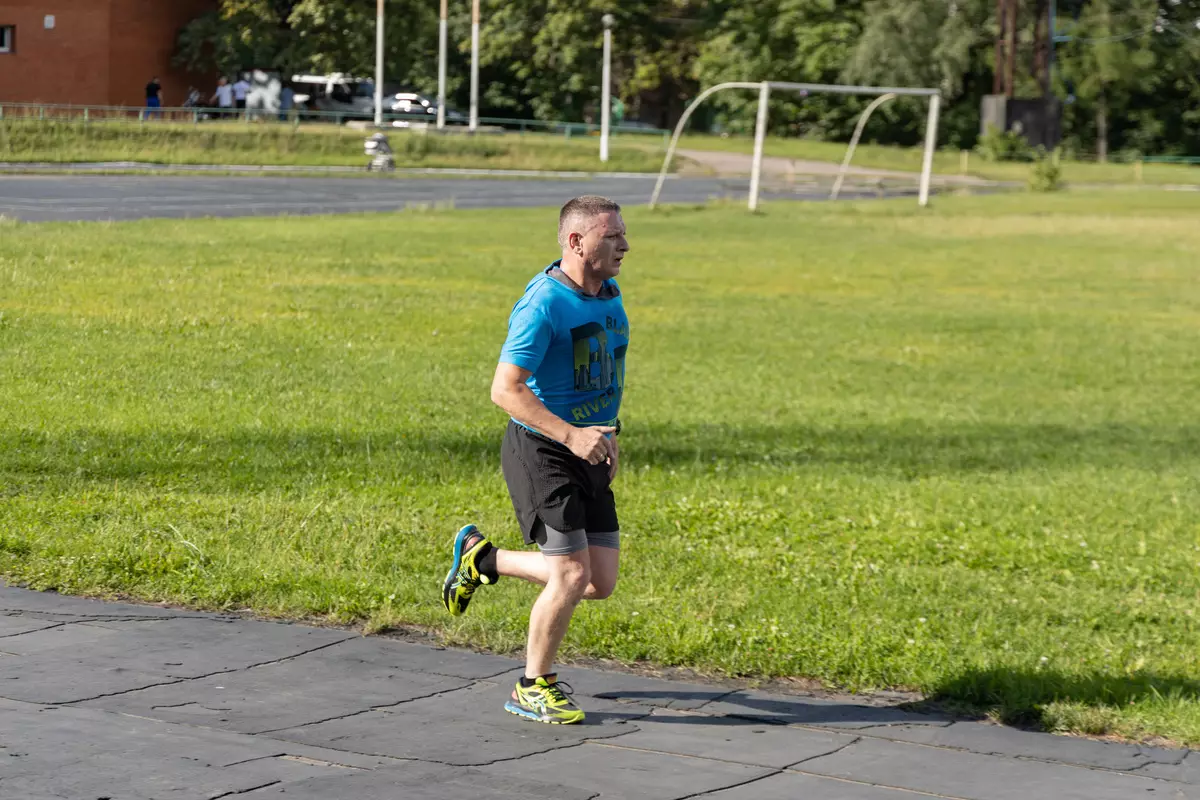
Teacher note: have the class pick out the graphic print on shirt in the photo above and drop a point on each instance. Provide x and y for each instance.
(598, 369)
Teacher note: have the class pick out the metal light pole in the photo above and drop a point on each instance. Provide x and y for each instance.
(441, 115)
(605, 92)
(379, 64)
(474, 64)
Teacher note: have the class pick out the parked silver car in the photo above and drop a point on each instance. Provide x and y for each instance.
(407, 102)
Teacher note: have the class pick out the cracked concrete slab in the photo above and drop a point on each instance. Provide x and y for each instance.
(13, 598)
(475, 729)
(125, 656)
(730, 739)
(424, 781)
(998, 740)
(17, 624)
(190, 648)
(1186, 771)
(348, 678)
(82, 753)
(55, 636)
(442, 660)
(814, 711)
(51, 680)
(790, 786)
(616, 772)
(954, 773)
(381, 718)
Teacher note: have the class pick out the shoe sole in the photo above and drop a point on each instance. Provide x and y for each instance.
(459, 538)
(513, 708)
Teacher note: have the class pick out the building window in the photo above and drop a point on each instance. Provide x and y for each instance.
(6, 38)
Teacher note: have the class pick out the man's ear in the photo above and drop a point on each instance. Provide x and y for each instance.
(575, 240)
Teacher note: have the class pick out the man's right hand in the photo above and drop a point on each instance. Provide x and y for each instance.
(591, 444)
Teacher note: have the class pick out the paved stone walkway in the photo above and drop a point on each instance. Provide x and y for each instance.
(130, 702)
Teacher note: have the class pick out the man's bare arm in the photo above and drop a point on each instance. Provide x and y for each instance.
(518, 400)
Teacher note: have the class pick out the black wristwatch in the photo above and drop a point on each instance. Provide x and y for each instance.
(617, 432)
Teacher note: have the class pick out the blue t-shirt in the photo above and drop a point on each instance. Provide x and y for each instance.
(574, 344)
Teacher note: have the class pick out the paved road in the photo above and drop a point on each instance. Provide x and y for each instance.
(43, 198)
(130, 702)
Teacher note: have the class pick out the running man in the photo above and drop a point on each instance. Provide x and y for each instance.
(560, 377)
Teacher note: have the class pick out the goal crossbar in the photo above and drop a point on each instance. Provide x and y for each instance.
(765, 88)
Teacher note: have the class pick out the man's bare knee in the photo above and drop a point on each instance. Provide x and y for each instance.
(572, 578)
(600, 589)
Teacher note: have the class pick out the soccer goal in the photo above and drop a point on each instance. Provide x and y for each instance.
(760, 127)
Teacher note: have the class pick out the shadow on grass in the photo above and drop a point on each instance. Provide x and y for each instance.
(233, 459)
(1019, 697)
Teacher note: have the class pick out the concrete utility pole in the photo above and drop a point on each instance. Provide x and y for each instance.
(379, 64)
(605, 90)
(474, 64)
(442, 24)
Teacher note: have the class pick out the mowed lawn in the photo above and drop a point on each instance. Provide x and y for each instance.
(954, 451)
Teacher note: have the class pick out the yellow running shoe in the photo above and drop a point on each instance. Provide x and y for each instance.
(546, 701)
(464, 576)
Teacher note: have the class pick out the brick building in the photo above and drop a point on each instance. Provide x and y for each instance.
(97, 52)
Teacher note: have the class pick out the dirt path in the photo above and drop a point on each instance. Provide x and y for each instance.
(723, 164)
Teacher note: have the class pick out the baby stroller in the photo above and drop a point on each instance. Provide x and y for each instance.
(380, 151)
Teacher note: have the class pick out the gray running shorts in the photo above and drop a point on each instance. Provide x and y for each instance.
(559, 543)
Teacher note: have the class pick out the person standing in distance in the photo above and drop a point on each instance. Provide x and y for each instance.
(560, 377)
(241, 88)
(223, 97)
(153, 97)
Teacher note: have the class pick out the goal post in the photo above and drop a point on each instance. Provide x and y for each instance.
(760, 128)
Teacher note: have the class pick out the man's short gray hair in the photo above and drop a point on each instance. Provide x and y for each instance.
(581, 209)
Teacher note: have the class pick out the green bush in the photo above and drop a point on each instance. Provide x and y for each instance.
(1046, 175)
(998, 145)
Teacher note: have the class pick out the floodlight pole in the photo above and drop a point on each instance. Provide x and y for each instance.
(931, 125)
(442, 24)
(760, 132)
(605, 91)
(474, 64)
(379, 64)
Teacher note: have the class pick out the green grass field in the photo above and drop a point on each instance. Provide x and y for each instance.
(946, 162)
(310, 145)
(953, 451)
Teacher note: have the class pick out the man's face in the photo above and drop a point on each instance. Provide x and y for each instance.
(604, 245)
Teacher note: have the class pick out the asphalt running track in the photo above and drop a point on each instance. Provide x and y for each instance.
(60, 198)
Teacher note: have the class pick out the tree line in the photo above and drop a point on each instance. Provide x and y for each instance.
(1127, 72)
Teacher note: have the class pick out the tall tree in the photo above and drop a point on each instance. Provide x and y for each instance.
(805, 41)
(1110, 58)
(316, 35)
(918, 43)
(1132, 67)
(550, 52)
